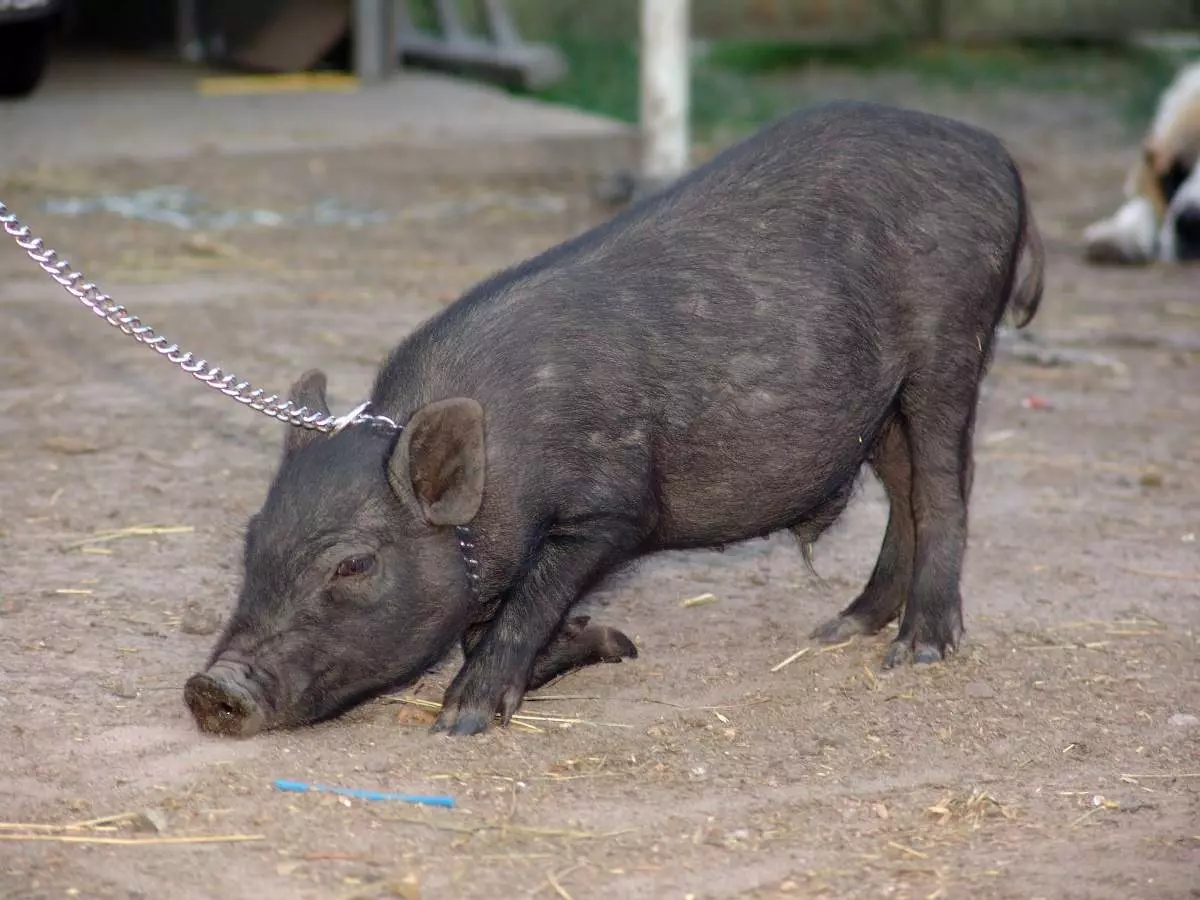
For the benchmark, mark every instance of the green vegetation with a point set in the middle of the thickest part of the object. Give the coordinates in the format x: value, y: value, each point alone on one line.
x: 739, y: 84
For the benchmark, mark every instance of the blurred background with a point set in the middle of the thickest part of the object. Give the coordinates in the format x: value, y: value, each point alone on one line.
x: 286, y: 184
x: 100, y: 79
x: 749, y: 55
x: 747, y: 62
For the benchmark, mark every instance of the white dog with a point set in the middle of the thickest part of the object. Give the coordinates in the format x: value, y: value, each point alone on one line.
x: 1160, y: 220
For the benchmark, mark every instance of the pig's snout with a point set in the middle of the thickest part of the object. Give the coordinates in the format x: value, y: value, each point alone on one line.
x: 222, y: 702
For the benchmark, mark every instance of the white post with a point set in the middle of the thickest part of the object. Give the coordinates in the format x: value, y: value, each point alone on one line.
x: 665, y: 75
x: 374, y: 27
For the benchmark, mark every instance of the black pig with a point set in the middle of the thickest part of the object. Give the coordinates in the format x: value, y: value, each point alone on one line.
x: 714, y: 364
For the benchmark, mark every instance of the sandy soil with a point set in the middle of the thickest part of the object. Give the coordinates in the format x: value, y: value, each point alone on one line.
x: 1055, y: 757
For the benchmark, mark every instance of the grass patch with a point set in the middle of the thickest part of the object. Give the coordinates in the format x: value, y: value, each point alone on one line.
x: 765, y: 57
x: 738, y: 85
x: 602, y: 77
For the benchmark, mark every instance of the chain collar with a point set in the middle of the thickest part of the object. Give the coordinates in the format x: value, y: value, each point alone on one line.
x: 466, y: 545
x: 227, y: 383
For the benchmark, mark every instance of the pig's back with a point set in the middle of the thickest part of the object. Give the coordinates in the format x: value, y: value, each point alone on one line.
x: 745, y: 333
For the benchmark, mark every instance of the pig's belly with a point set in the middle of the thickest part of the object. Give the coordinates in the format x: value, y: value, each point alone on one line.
x: 733, y: 479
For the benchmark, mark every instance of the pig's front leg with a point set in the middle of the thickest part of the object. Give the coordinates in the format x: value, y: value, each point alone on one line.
x: 498, y: 670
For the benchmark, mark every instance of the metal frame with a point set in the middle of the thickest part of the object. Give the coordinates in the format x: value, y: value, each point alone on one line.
x: 384, y: 35
x: 501, y: 50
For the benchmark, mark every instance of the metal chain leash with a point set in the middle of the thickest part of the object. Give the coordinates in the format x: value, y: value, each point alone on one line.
x: 226, y: 383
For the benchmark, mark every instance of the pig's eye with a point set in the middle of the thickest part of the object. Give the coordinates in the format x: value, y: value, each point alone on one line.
x: 355, y: 565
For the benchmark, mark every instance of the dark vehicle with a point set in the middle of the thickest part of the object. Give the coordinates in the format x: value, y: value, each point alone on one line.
x: 25, y: 29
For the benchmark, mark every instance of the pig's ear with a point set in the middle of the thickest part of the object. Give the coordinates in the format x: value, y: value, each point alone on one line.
x: 309, y: 390
x: 438, y: 463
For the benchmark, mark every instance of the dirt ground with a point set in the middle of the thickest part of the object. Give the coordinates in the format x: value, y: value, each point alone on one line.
x: 1055, y: 757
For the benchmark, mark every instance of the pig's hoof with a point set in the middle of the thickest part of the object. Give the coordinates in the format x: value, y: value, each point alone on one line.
x: 461, y: 723
x: 902, y: 652
x: 837, y: 630
x: 924, y: 654
x: 461, y: 719
x: 470, y: 723
x: 581, y: 643
x: 615, y: 646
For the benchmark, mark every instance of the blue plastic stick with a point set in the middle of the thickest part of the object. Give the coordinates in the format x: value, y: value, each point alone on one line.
x: 301, y: 787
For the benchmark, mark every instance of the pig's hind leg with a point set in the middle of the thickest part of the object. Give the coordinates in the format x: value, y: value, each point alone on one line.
x: 577, y: 645
x: 939, y: 411
x: 887, y: 590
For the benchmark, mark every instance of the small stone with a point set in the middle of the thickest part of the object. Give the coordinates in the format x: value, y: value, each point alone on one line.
x: 415, y: 715
x: 998, y: 437
x: 69, y: 445
x: 1184, y: 720
x: 1036, y: 402
x: 1151, y: 477
x: 154, y: 820
x: 616, y: 189
x: 788, y: 886
x: 980, y: 690
x: 198, y: 620
x: 125, y: 688
x: 201, y: 244
x: 408, y: 888
x: 10, y: 606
